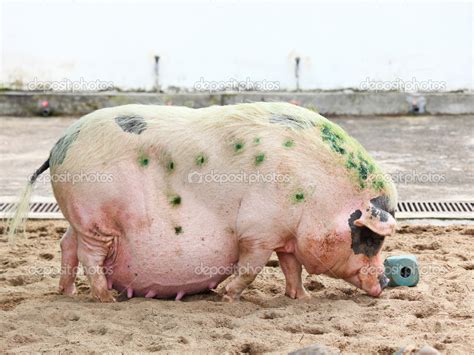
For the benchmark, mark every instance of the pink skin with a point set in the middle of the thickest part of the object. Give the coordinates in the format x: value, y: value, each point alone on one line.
x: 366, y: 277
x: 131, y: 245
x: 331, y: 254
x: 333, y: 257
x: 150, y: 294
x: 116, y: 244
x: 292, y: 268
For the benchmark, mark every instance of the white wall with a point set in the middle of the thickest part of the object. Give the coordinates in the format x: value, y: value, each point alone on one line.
x: 341, y: 44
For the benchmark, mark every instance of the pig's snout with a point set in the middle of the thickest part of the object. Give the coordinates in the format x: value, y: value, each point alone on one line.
x: 376, y: 290
x: 383, y: 281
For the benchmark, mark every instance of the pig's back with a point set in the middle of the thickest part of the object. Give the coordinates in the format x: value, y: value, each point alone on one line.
x: 174, y: 143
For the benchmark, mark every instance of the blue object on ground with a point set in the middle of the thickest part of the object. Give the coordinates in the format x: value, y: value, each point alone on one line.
x: 402, y: 270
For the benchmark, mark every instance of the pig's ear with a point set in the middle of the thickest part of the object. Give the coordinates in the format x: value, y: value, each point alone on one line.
x: 377, y: 220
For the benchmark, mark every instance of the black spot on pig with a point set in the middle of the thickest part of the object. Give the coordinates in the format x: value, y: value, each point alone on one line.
x: 290, y: 121
x: 383, y: 203
x: 378, y: 213
x: 131, y: 123
x: 59, y: 151
x: 364, y: 240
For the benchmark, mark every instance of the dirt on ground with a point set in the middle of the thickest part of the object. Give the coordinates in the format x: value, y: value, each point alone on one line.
x: 438, y: 312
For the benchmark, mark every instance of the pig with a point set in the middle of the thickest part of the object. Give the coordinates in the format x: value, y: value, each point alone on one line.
x: 165, y: 201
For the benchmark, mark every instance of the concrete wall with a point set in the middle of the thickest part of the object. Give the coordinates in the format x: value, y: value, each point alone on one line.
x: 426, y: 45
x: 326, y: 103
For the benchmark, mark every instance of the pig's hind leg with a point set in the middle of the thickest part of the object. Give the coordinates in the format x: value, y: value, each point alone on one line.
x: 292, y: 270
x: 92, y: 251
x: 69, y: 262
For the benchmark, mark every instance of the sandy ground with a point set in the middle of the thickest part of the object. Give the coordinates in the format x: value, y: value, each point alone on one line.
x: 438, y: 312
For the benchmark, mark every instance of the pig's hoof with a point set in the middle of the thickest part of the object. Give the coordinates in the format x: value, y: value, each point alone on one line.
x: 300, y: 294
x: 67, y: 290
x: 228, y: 299
x: 231, y: 295
x: 104, y: 296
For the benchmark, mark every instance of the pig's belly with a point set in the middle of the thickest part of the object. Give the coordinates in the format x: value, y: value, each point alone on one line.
x: 165, y: 265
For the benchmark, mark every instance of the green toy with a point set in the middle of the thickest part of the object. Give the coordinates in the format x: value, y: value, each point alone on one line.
x: 402, y: 270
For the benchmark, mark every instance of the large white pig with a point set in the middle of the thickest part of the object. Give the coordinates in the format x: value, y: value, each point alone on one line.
x: 165, y: 201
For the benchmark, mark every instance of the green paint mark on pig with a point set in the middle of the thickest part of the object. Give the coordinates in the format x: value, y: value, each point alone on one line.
x: 175, y: 200
x: 289, y: 143
x: 239, y: 146
x: 333, y: 138
x: 357, y: 161
x: 365, y: 168
x: 299, y: 197
x: 178, y: 230
x: 143, y: 160
x: 259, y: 158
x: 378, y: 184
x: 351, y: 163
x: 201, y: 160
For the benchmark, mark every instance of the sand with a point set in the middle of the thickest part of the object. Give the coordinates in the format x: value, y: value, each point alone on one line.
x: 438, y: 312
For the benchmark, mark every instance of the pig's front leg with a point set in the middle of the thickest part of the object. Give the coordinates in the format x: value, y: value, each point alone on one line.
x: 292, y: 270
x: 252, y: 260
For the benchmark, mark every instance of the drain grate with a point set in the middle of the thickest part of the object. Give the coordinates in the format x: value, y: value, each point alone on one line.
x: 47, y: 208
x: 40, y: 208
x: 435, y: 209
